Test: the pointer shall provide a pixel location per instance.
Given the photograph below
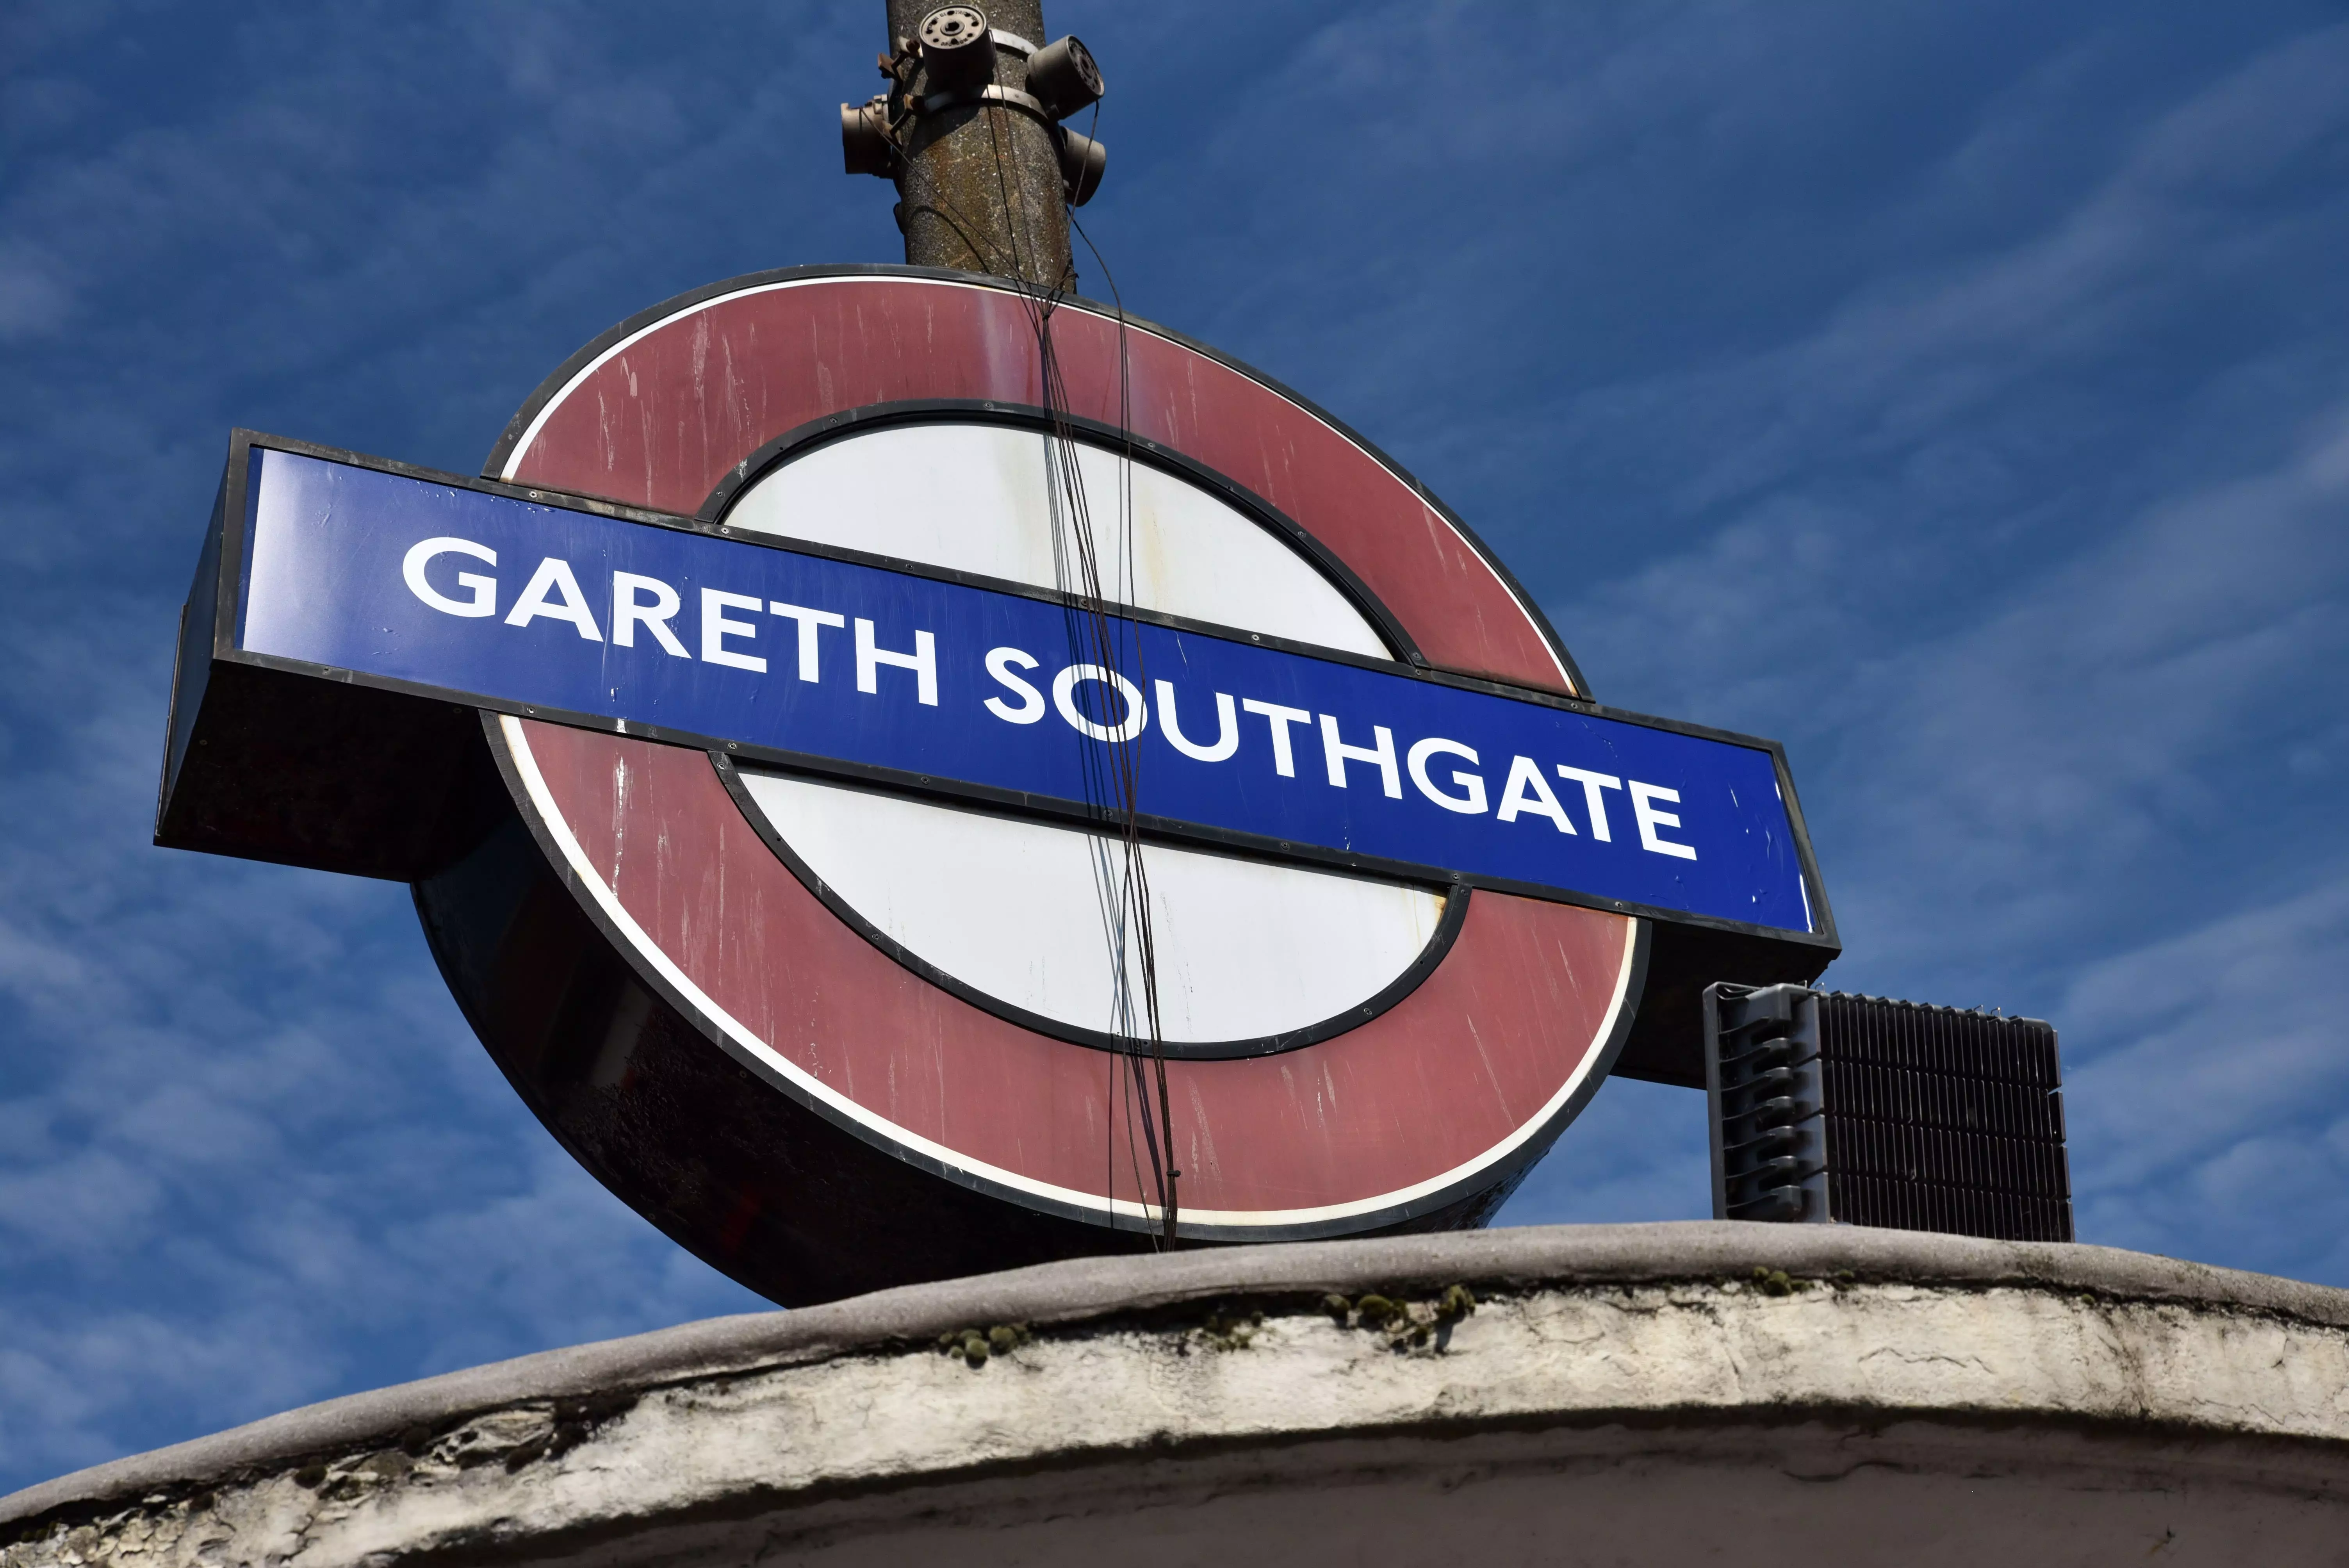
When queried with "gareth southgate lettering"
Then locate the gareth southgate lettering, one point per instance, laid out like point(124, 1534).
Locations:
point(879, 673)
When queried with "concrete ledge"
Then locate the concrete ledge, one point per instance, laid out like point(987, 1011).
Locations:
point(837, 1429)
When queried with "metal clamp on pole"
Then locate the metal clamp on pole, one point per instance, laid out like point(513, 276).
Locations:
point(953, 55)
point(1011, 97)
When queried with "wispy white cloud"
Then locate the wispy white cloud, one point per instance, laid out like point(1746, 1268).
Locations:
point(1764, 342)
point(34, 300)
point(2060, 715)
point(1911, 358)
point(2209, 1093)
point(249, 1153)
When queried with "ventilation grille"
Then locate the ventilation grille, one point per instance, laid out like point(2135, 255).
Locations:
point(1830, 1107)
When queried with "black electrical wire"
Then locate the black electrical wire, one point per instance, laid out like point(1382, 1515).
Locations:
point(1112, 777)
point(1125, 428)
point(1124, 890)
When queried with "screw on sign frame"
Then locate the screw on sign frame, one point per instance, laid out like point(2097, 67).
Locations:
point(716, 1032)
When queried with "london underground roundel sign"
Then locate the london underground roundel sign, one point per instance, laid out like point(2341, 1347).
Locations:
point(905, 783)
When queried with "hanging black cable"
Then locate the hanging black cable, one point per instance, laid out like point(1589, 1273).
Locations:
point(1112, 772)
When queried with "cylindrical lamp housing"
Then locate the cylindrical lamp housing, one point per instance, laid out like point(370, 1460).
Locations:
point(1064, 78)
point(1082, 162)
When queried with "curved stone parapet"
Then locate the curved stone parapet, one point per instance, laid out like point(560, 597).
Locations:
point(1635, 1393)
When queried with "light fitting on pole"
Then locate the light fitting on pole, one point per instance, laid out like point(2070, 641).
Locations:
point(949, 63)
point(957, 47)
point(1082, 162)
point(1064, 78)
point(865, 147)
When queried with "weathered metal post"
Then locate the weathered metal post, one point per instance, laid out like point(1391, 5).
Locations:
point(981, 182)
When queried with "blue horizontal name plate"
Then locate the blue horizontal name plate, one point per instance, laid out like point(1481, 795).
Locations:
point(872, 672)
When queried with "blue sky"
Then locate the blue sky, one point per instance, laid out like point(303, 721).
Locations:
point(1958, 394)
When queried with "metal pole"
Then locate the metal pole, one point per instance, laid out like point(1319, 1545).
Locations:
point(980, 185)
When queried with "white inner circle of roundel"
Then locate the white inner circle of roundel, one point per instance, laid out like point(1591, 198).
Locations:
point(1013, 909)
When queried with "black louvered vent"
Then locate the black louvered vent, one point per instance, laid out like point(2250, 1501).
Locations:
point(1828, 1108)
